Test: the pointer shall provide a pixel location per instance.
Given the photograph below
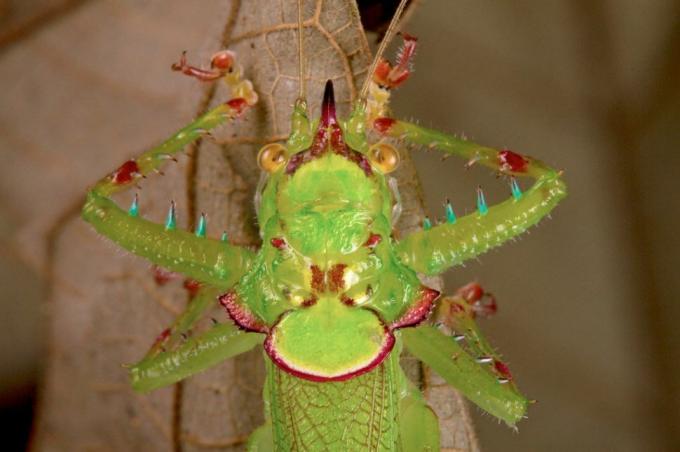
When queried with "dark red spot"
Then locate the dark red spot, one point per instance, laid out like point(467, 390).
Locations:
point(373, 240)
point(238, 104)
point(162, 276)
point(126, 173)
point(318, 283)
point(512, 162)
point(502, 369)
point(309, 302)
point(335, 278)
point(278, 243)
point(192, 287)
point(162, 337)
point(347, 301)
point(383, 125)
point(471, 292)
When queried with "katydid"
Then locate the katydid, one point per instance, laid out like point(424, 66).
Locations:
point(332, 297)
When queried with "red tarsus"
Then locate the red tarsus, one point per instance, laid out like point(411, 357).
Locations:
point(278, 243)
point(388, 76)
point(512, 162)
point(127, 171)
point(383, 125)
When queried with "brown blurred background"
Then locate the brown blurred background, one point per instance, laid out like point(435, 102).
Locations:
point(588, 301)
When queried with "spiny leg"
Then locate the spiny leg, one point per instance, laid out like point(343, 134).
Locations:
point(212, 261)
point(457, 351)
point(181, 328)
point(436, 248)
point(176, 355)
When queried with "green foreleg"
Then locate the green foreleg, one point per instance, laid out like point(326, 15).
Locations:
point(221, 342)
point(433, 250)
point(463, 371)
point(193, 255)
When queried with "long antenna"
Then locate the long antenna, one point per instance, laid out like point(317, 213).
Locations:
point(301, 68)
point(383, 44)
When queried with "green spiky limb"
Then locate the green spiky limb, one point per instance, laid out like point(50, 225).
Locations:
point(181, 327)
point(221, 342)
point(151, 160)
point(435, 250)
point(203, 259)
point(446, 357)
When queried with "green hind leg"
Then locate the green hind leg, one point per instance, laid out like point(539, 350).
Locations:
point(459, 353)
point(436, 248)
point(176, 355)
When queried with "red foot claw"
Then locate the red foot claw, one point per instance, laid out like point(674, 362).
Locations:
point(388, 76)
point(482, 303)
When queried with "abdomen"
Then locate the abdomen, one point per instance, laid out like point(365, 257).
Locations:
point(359, 414)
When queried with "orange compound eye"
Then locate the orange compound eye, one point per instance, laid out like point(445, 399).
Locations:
point(384, 157)
point(271, 157)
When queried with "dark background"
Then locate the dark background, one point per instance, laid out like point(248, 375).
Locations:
point(588, 301)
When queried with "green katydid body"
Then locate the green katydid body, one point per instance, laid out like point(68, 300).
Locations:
point(331, 294)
